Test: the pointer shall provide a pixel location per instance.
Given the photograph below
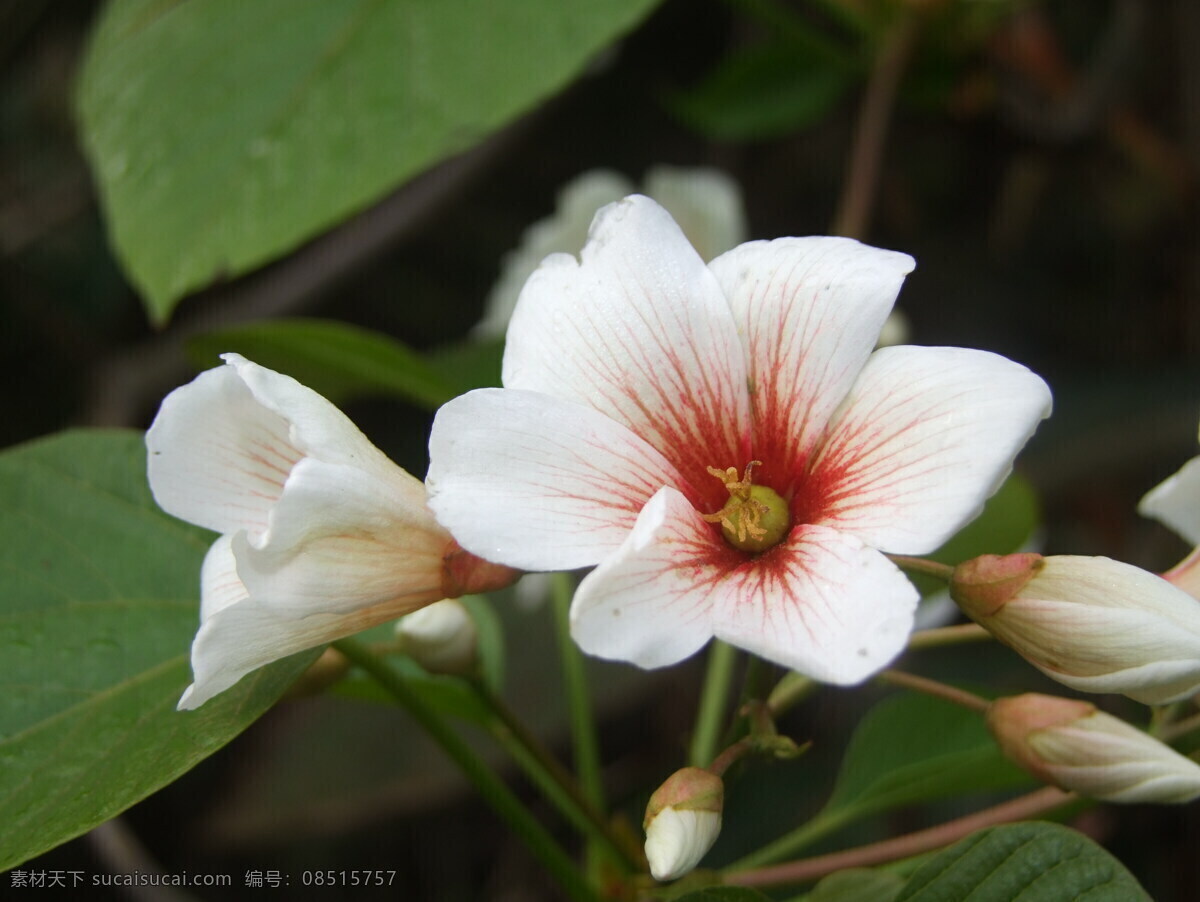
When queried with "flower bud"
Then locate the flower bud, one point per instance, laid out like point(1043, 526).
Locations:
point(1091, 623)
point(683, 820)
point(1077, 747)
point(441, 637)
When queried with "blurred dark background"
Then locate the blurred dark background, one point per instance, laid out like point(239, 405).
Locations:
point(1042, 168)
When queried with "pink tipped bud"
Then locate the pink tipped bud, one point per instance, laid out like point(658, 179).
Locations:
point(983, 586)
point(1093, 624)
point(1076, 747)
point(683, 820)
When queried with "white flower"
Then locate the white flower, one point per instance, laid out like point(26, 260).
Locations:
point(1091, 623)
point(441, 637)
point(1077, 747)
point(321, 535)
point(1175, 502)
point(637, 376)
point(706, 203)
point(682, 821)
point(676, 840)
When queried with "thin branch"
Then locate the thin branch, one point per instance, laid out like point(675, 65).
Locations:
point(935, 569)
point(948, 635)
point(809, 869)
point(870, 135)
point(938, 690)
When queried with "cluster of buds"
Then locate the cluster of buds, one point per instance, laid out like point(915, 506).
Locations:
point(1091, 623)
point(1076, 747)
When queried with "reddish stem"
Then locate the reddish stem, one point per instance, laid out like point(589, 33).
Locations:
point(809, 869)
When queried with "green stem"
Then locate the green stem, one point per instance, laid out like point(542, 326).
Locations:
point(579, 703)
point(714, 699)
point(556, 783)
point(731, 756)
point(870, 133)
point(943, 572)
point(789, 691)
point(947, 635)
point(937, 689)
point(1162, 716)
point(1177, 728)
point(790, 843)
point(491, 787)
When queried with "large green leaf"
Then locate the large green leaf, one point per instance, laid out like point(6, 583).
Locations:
point(723, 894)
point(912, 748)
point(765, 91)
point(98, 605)
point(1033, 862)
point(223, 134)
point(857, 885)
point(334, 359)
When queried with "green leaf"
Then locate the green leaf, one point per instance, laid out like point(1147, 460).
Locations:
point(1008, 520)
point(469, 365)
point(763, 92)
point(335, 359)
point(98, 606)
point(857, 885)
point(223, 134)
point(1033, 862)
point(724, 894)
point(912, 748)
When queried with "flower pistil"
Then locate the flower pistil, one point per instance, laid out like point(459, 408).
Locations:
point(755, 517)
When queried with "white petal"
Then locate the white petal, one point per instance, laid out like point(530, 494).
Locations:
point(340, 539)
point(315, 426)
point(925, 437)
point(822, 603)
point(1176, 502)
point(221, 447)
point(220, 585)
point(217, 457)
point(651, 602)
point(809, 311)
point(640, 331)
point(706, 203)
point(242, 637)
point(826, 606)
point(676, 841)
point(538, 483)
point(564, 232)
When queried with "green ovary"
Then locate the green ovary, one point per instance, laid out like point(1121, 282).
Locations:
point(756, 523)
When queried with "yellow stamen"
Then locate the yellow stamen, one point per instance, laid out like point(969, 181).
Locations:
point(755, 517)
